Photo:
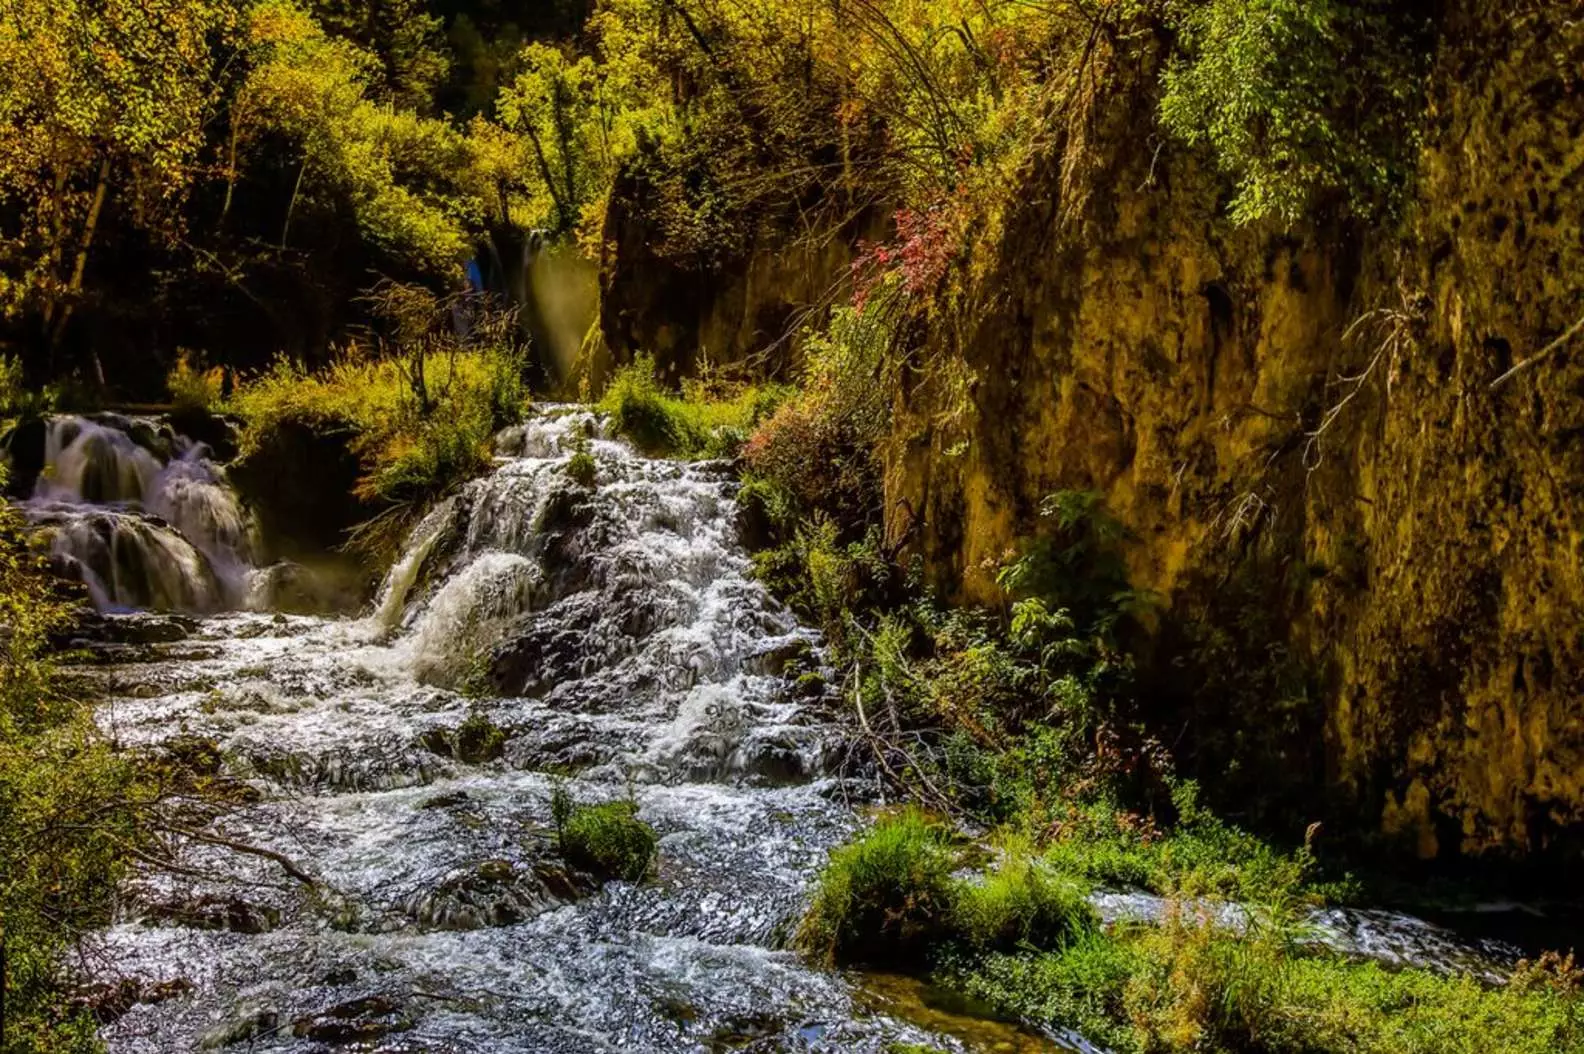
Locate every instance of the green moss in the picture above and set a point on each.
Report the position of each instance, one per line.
(582, 469)
(606, 840)
(884, 899)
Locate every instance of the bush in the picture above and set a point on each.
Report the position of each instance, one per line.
(606, 840)
(69, 810)
(705, 420)
(408, 454)
(1300, 99)
(885, 899)
(581, 468)
(191, 387)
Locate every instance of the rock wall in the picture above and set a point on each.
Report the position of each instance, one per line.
(1312, 410)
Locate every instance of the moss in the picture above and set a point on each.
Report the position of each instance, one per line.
(476, 740)
(582, 469)
(606, 840)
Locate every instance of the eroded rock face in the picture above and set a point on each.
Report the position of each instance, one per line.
(1419, 562)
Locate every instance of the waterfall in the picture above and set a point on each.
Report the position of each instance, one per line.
(141, 516)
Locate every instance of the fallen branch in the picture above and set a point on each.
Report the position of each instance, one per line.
(1550, 348)
(286, 863)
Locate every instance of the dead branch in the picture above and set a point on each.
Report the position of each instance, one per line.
(1549, 349)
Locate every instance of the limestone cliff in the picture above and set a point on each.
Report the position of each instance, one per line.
(1313, 411)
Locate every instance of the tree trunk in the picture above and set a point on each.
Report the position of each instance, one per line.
(80, 263)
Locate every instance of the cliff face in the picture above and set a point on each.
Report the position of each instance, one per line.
(1312, 413)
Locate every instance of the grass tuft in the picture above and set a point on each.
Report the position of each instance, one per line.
(702, 421)
(606, 840)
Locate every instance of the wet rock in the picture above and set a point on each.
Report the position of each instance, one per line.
(231, 914)
(249, 1023)
(446, 801)
(495, 893)
(215, 431)
(108, 1003)
(301, 590)
(784, 658)
(356, 1021)
(24, 448)
(476, 741)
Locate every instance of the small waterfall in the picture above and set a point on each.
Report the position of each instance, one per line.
(141, 516)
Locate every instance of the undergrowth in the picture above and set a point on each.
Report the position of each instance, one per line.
(704, 420)
(409, 452)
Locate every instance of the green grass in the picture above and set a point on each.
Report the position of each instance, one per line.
(606, 840)
(1022, 938)
(1184, 988)
(701, 421)
(884, 899)
(1021, 903)
(408, 452)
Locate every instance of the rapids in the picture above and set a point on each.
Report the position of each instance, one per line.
(614, 636)
(617, 638)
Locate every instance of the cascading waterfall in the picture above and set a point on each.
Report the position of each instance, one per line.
(141, 516)
(614, 638)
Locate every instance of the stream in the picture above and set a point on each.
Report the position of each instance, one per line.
(615, 636)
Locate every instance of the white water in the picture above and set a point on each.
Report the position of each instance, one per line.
(616, 635)
(141, 517)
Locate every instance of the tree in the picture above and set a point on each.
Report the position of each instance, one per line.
(103, 106)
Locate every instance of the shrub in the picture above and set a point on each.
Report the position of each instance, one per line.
(581, 468)
(192, 387)
(606, 840)
(70, 809)
(885, 899)
(1299, 99)
(818, 454)
(408, 454)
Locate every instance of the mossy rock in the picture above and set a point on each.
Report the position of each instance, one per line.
(476, 740)
(606, 840)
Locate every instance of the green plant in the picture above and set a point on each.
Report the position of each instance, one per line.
(884, 899)
(71, 810)
(702, 421)
(607, 840)
(1020, 904)
(1299, 99)
(408, 455)
(192, 387)
(581, 467)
